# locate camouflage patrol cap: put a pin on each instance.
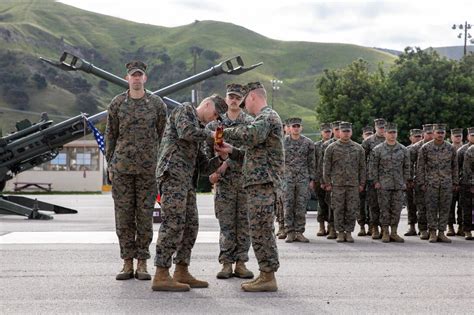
(253, 86)
(237, 89)
(380, 122)
(390, 126)
(344, 126)
(428, 128)
(470, 131)
(134, 66)
(294, 120)
(439, 127)
(325, 126)
(220, 104)
(335, 124)
(456, 131)
(415, 132)
(368, 129)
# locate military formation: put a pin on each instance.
(264, 170)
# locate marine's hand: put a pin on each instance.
(328, 187)
(224, 148)
(214, 178)
(361, 188)
(377, 185)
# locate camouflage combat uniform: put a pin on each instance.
(390, 166)
(323, 211)
(411, 204)
(344, 168)
(180, 158)
(299, 171)
(437, 172)
(230, 203)
(369, 144)
(319, 174)
(133, 135)
(419, 193)
(455, 209)
(465, 181)
(263, 174)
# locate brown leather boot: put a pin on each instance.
(162, 281)
(332, 232)
(450, 230)
(348, 237)
(322, 229)
(468, 235)
(226, 271)
(266, 282)
(362, 231)
(385, 234)
(433, 238)
(411, 231)
(375, 232)
(241, 271)
(141, 273)
(460, 230)
(291, 237)
(340, 237)
(443, 238)
(394, 236)
(424, 235)
(301, 238)
(181, 274)
(127, 270)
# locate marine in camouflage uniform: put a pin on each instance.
(300, 174)
(419, 193)
(369, 144)
(230, 200)
(415, 136)
(465, 179)
(263, 170)
(135, 125)
(323, 211)
(344, 171)
(363, 215)
(327, 197)
(390, 170)
(280, 205)
(456, 209)
(437, 174)
(180, 160)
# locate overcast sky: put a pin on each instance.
(392, 24)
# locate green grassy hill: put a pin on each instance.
(29, 29)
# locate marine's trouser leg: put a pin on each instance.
(373, 205)
(323, 211)
(421, 208)
(361, 214)
(438, 202)
(411, 206)
(465, 202)
(390, 202)
(261, 206)
(134, 198)
(290, 206)
(303, 195)
(454, 210)
(345, 202)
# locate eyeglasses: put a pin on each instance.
(296, 125)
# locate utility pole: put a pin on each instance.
(275, 87)
(467, 35)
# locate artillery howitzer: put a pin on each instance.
(35, 144)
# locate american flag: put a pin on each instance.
(97, 135)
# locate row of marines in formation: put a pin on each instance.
(366, 183)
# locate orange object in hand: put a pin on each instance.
(219, 137)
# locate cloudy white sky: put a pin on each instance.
(392, 24)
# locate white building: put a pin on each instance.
(79, 166)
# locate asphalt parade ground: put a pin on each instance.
(68, 265)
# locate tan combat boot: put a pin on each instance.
(141, 273)
(460, 230)
(181, 274)
(332, 232)
(385, 234)
(340, 237)
(433, 238)
(424, 235)
(291, 237)
(266, 282)
(443, 238)
(322, 229)
(394, 236)
(468, 235)
(450, 230)
(162, 281)
(375, 232)
(226, 271)
(411, 231)
(362, 231)
(349, 237)
(241, 271)
(127, 270)
(301, 238)
(281, 229)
